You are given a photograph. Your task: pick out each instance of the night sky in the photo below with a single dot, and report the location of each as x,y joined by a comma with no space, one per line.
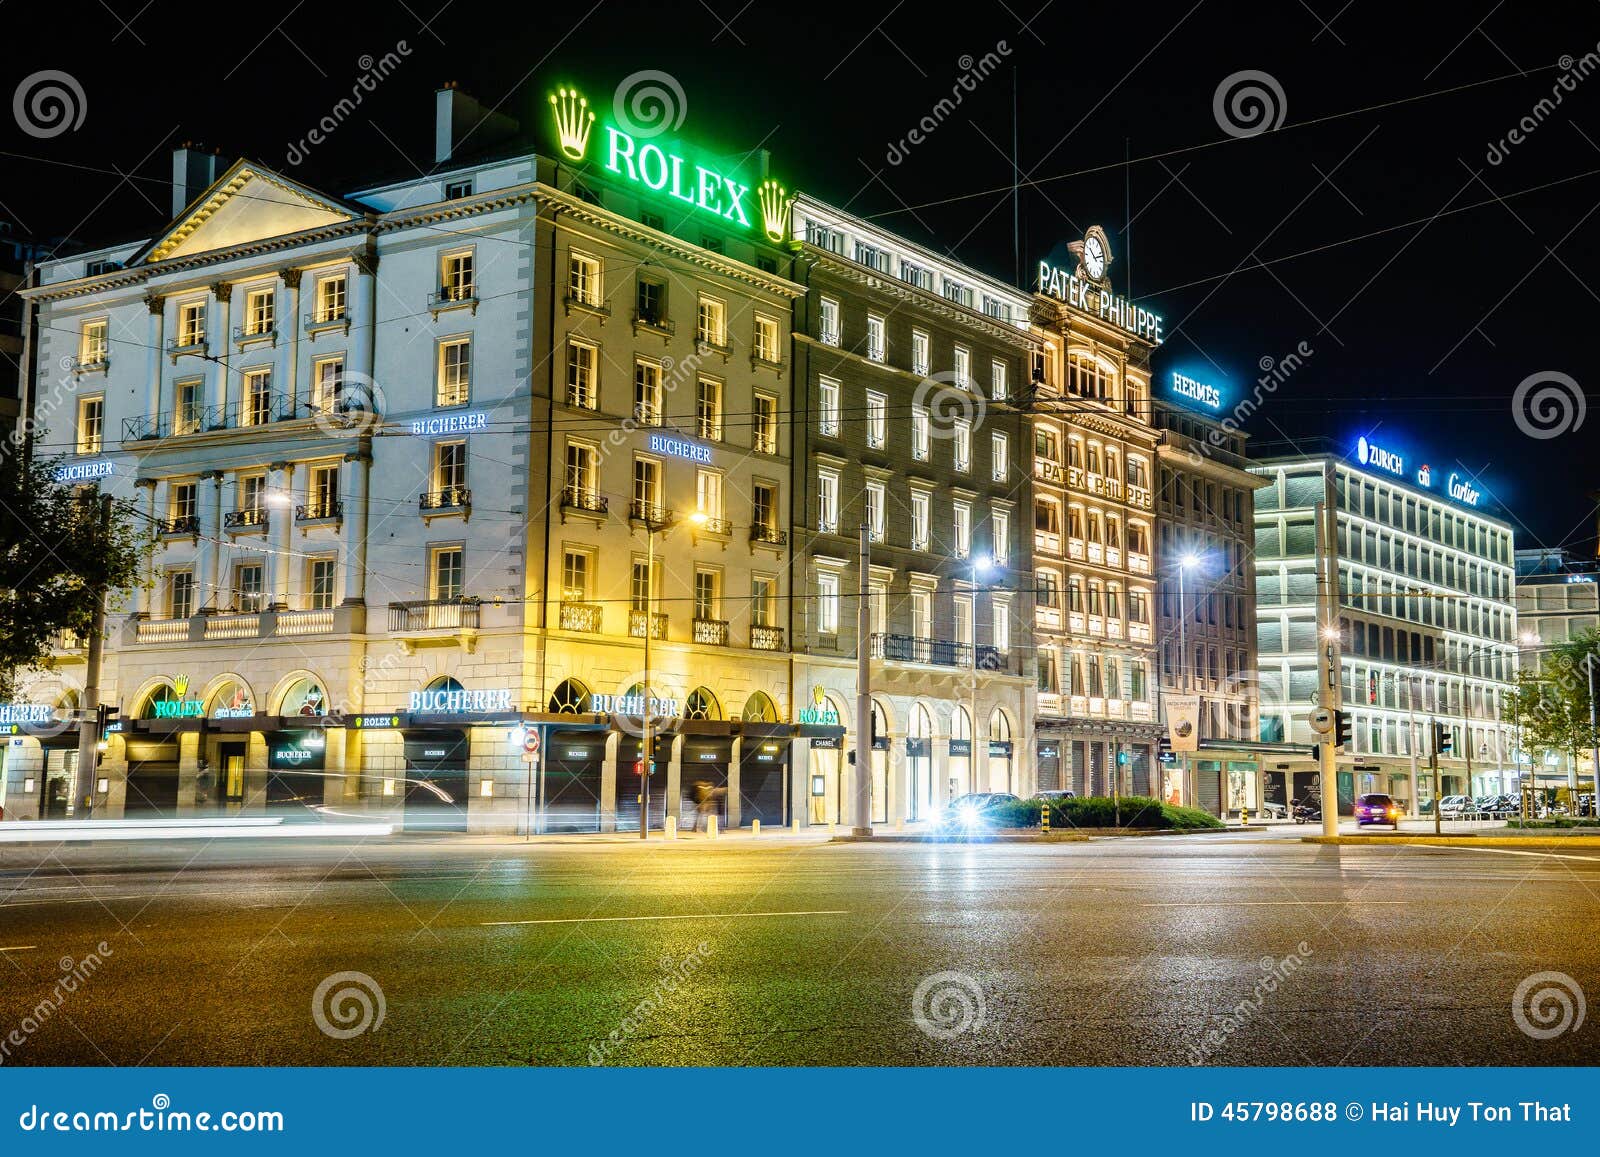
1387,222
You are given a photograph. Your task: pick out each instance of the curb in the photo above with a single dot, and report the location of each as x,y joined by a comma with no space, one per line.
1467,839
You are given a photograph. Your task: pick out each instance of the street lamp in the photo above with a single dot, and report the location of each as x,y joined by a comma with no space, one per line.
982,564
647,754
1187,561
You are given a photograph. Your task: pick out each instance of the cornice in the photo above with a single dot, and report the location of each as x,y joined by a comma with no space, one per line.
848,270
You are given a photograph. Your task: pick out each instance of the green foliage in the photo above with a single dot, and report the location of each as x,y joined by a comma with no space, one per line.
53,555
1131,811
1550,709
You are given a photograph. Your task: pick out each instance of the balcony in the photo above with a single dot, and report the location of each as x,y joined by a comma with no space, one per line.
586,304
718,527
711,632
244,335
654,321
434,615
188,344
248,624
585,617
769,536
649,513
95,363
993,659
1138,563
828,335
766,638
764,443
447,297
582,398
321,322
637,620
911,649
178,525
585,501
320,511
244,521
445,500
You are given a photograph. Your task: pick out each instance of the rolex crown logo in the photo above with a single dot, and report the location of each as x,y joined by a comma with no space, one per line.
181,685
775,203
573,120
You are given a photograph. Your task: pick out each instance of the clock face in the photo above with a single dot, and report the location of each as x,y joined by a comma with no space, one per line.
1094,258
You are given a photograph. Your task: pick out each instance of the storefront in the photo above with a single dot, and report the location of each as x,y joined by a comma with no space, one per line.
630,776
1047,756
764,773
436,778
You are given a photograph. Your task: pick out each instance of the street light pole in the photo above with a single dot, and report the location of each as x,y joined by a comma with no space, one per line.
89,736
647,755
1184,563
1328,690
862,825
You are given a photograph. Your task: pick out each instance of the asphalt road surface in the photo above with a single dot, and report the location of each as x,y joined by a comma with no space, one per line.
1227,949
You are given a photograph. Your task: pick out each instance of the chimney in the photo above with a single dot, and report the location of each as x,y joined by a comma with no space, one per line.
456,115
193,171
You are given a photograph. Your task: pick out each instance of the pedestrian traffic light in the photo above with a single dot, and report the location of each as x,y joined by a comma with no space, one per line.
638,768
1123,757
1443,741
1342,724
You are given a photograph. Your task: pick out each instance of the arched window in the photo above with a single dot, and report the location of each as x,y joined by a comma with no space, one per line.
880,721
304,697
161,694
232,701
921,722
960,724
760,708
999,726
702,704
570,697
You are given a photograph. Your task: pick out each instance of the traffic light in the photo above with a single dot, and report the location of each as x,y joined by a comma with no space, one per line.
1124,757
1342,724
1443,741
104,716
638,768
1164,750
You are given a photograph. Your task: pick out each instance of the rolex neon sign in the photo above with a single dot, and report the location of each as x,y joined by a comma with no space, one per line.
668,169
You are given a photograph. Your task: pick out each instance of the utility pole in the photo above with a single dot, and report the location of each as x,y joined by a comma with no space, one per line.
89,704
646,751
863,785
1327,667
1433,762
1592,662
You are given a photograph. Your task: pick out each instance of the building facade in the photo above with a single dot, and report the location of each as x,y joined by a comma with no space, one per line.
1558,601
1427,622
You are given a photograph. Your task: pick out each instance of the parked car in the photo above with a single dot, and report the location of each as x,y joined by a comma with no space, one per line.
1376,808
973,812
1456,805
1057,795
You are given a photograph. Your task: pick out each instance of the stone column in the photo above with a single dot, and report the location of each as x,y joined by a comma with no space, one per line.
158,316
221,342
281,482
898,779
800,782
144,595
289,337
608,782
674,778
208,554
353,488
363,311
734,778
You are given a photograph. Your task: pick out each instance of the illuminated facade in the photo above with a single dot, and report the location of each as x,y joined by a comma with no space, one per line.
1558,601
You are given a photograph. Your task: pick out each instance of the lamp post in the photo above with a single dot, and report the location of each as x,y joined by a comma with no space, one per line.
647,754
1186,561
981,565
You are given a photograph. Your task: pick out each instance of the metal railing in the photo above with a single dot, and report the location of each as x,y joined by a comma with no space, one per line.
911,649
448,295
244,333
710,525
712,632
249,518
647,513
586,617
637,620
766,638
592,501
178,524
434,615
326,508
653,319
445,498
769,535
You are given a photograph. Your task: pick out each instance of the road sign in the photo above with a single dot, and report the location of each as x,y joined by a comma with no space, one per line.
1321,720
530,743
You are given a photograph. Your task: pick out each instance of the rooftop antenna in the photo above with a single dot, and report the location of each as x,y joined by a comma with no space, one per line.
1127,218
1016,187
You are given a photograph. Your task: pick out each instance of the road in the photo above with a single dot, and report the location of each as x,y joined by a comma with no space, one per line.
1240,948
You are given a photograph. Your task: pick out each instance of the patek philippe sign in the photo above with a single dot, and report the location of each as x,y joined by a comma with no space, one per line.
1183,722
1081,289
459,702
678,448
633,705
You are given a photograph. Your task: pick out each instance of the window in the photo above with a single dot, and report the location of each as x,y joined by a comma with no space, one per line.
647,392
872,257
711,243
582,387
640,589
919,433
996,308
999,386
963,367
327,383
877,607
824,238
1000,532
916,275
875,343
319,584
445,573
919,519
1000,455
922,613
650,302
962,525
331,295
181,501
919,352
707,593
186,407
94,344
248,587
712,328
91,425
455,190
828,603
963,446
764,506
583,462
457,281
255,398
875,511
260,307
828,321
455,372
767,339
251,492
646,489
450,472
708,409
828,407
575,575
322,492
827,501
583,279
1000,625
958,293
877,419
963,624
1086,377
764,425
708,493
180,594
763,601
191,324
651,220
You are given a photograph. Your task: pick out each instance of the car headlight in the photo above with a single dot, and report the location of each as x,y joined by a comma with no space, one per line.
969,815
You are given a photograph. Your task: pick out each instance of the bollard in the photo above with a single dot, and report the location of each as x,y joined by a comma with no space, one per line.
831,826
755,827
796,825
1044,817
900,824
1244,816
671,828
711,827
